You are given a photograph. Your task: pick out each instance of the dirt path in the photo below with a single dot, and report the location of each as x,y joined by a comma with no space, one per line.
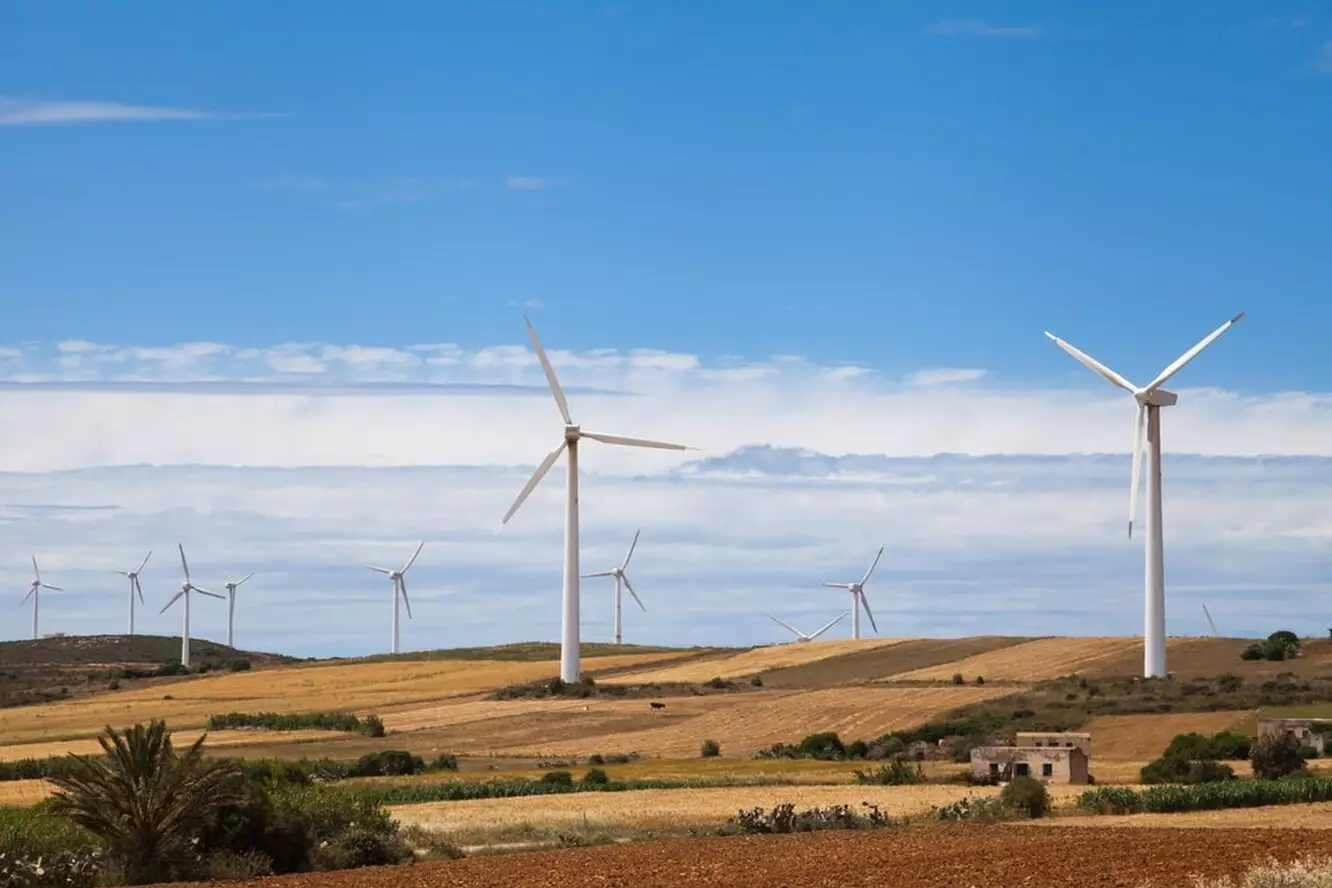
928,857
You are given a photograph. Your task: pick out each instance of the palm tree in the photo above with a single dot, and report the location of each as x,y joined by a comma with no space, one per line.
143,799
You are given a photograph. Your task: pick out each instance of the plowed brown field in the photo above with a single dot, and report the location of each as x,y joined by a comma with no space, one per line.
930,857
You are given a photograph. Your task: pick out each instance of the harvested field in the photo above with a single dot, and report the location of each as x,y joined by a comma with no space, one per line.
742,723
663,808
1141,738
882,662
217,741
23,793
359,687
1208,657
1037,660
749,662
933,857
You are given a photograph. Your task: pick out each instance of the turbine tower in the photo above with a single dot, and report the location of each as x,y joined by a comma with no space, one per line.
621,576
569,626
1150,399
858,599
800,636
231,604
399,578
185,589
35,593
134,587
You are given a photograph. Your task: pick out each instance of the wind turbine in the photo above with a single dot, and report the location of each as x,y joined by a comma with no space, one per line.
231,604
858,599
134,587
185,589
35,593
399,579
1150,399
1211,622
800,636
620,575
569,626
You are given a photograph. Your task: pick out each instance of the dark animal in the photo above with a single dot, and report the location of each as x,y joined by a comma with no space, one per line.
655,705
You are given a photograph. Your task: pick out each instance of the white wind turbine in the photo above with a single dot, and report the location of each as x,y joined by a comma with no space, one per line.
1211,622
134,587
1150,399
621,576
231,604
185,589
858,599
399,578
569,626
35,593
801,636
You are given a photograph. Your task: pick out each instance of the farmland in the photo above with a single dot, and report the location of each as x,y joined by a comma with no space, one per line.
750,662
1036,660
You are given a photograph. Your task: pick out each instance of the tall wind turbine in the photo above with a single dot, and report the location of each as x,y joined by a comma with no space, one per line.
399,578
35,593
185,589
1150,399
231,604
858,599
1211,622
569,631
134,587
801,636
621,576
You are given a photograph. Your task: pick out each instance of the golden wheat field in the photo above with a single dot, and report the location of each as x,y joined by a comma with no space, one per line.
23,793
1144,737
741,724
747,663
1037,660
358,687
677,807
216,740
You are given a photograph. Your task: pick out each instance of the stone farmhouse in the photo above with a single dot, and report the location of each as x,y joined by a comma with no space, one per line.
1048,757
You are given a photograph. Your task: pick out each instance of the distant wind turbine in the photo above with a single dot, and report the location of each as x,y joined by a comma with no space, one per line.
134,587
569,625
858,599
231,605
399,578
35,593
621,576
1211,622
800,636
185,589
1150,399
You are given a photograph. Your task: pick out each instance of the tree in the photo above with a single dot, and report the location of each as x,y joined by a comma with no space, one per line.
143,800
1276,755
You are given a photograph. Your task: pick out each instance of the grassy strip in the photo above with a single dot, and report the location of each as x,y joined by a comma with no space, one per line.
1207,796
464,790
370,726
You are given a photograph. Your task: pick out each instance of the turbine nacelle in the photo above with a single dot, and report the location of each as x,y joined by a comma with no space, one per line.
572,433
1155,398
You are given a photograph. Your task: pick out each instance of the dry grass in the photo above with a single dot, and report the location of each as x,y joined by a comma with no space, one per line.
757,660
360,687
216,740
1038,660
1144,737
664,808
23,793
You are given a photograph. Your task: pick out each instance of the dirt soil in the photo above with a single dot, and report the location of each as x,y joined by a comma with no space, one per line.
927,857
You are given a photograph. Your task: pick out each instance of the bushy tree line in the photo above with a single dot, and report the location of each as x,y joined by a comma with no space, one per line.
370,726
1196,758
1280,645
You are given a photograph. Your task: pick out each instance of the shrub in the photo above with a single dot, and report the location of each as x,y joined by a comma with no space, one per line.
1275,756
1027,796
1255,651
895,773
885,747
980,679
826,746
1177,769
557,778
958,679
389,763
719,684
756,681
444,762
596,759
857,749
595,777
39,849
362,846
786,819
974,808
710,749
240,664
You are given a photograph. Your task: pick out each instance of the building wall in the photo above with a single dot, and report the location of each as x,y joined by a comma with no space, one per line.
1300,728
1049,765
1057,740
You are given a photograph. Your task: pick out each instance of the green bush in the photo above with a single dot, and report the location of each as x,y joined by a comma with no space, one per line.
389,763
756,681
596,759
857,749
444,762
1291,790
895,773
595,777
710,749
825,746
974,808
371,725
240,664
557,778
39,849
1176,769
958,679
1110,800
1275,756
786,819
363,846
1026,795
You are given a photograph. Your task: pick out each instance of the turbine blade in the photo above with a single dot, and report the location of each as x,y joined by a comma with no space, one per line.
412,560
631,550
1095,365
872,566
123,573
52,588
1191,354
828,625
864,601
1211,622
630,586
244,578
183,563
840,585
384,570
35,570
174,599
604,573
1139,429
31,592
402,584
787,626
139,589
550,373
632,442
535,480
210,594
145,561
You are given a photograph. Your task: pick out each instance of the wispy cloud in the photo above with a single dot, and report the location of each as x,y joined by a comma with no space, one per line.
978,28
398,191
944,376
1322,63
24,112
531,183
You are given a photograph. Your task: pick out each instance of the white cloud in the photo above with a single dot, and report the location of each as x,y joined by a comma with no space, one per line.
530,183
944,376
978,28
22,112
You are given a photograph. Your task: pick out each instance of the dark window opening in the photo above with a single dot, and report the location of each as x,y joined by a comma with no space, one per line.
1022,770
1047,770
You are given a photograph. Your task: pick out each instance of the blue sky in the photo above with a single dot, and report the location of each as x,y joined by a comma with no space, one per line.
828,229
